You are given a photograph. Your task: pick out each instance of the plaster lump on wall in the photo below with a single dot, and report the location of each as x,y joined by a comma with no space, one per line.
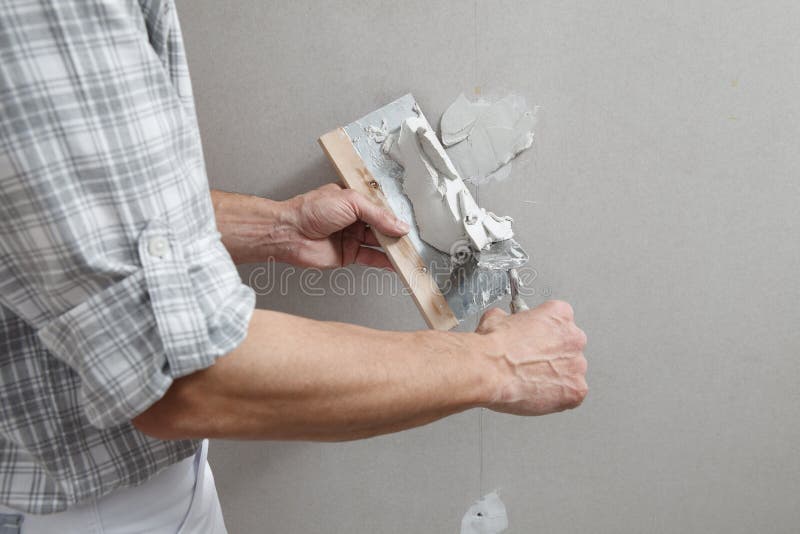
487,516
444,209
482,137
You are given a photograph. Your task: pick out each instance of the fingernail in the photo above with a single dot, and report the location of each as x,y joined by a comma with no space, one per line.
402,225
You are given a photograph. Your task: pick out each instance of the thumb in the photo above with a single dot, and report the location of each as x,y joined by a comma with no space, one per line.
490,320
379,218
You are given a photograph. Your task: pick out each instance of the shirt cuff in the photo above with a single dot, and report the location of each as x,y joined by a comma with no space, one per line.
172,317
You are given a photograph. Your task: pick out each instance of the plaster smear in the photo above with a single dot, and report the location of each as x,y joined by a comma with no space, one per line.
487,516
446,213
482,137
377,133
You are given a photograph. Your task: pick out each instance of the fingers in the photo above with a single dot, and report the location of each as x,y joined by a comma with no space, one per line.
579,338
577,393
490,319
354,238
558,308
372,258
370,239
359,231
372,214
565,315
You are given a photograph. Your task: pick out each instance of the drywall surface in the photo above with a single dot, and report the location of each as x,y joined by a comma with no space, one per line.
660,198
483,137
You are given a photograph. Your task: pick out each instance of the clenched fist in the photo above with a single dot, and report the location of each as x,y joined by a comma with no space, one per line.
539,355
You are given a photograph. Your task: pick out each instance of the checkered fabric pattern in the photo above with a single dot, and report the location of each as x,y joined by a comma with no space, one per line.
113,278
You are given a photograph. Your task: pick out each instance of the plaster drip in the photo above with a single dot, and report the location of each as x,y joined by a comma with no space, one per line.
446,213
482,138
487,516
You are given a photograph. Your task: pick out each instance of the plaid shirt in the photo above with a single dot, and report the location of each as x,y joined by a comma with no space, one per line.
113,278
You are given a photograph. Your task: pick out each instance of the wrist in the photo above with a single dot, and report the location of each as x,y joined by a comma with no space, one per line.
456,363
487,365
255,229
277,232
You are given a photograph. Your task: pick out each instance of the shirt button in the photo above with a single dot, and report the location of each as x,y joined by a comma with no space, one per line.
158,247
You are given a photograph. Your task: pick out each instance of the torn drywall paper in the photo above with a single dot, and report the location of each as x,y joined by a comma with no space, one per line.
482,137
487,516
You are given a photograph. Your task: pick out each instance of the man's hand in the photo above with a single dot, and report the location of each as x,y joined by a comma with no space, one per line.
540,356
331,229
325,228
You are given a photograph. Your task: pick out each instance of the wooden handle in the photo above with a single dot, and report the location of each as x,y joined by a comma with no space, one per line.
401,252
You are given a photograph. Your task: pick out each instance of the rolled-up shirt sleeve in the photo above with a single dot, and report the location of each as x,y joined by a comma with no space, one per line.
108,244
173,316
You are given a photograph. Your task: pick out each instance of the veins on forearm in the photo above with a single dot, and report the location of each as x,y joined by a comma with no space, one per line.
254,229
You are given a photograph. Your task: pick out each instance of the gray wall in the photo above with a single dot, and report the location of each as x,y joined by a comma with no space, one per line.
660,200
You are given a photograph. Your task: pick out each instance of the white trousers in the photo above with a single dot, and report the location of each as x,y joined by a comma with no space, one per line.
182,499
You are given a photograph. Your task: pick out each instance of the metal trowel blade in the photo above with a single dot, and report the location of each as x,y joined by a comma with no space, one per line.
502,255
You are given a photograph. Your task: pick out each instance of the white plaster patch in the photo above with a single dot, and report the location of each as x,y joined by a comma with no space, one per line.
445,211
377,133
487,516
482,138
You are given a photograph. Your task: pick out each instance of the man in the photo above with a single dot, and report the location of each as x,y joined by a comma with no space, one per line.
126,335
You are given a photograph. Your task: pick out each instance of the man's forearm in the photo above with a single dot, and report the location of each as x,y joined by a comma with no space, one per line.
253,229
294,378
